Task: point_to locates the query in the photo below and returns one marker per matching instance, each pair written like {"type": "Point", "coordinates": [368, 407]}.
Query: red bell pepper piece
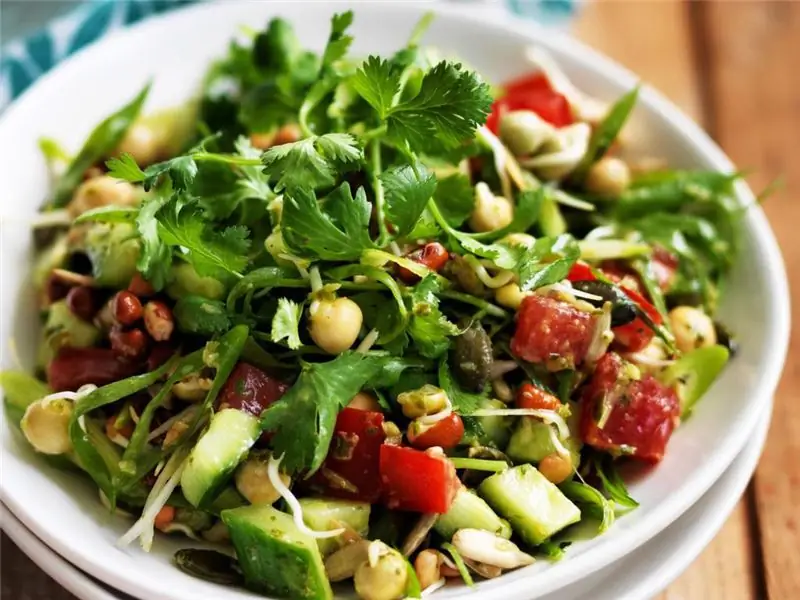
{"type": "Point", "coordinates": [352, 468]}
{"type": "Point", "coordinates": [417, 481]}
{"type": "Point", "coordinates": [446, 433]}
{"type": "Point", "coordinates": [534, 93]}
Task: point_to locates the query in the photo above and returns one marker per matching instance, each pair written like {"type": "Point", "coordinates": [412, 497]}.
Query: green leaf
{"type": "Point", "coordinates": [103, 140]}
{"type": "Point", "coordinates": [377, 81]}
{"type": "Point", "coordinates": [455, 198]}
{"type": "Point", "coordinates": [428, 327]}
{"type": "Point", "coordinates": [201, 316]}
{"type": "Point", "coordinates": [339, 230]}
{"type": "Point", "coordinates": [302, 421]}
{"type": "Point", "coordinates": [109, 214]}
{"type": "Point", "coordinates": [450, 105]}
{"type": "Point", "coordinates": [591, 502]}
{"type": "Point", "coordinates": [464, 403]}
{"type": "Point", "coordinates": [266, 107]}
{"type": "Point", "coordinates": [155, 257]}
{"type": "Point", "coordinates": [313, 162]}
{"type": "Point", "coordinates": [613, 485]}
{"type": "Point", "coordinates": [338, 42]}
{"type": "Point", "coordinates": [548, 261]}
{"type": "Point", "coordinates": [605, 134]}
{"type": "Point", "coordinates": [286, 323]}
{"type": "Point", "coordinates": [126, 168]}
{"type": "Point", "coordinates": [212, 251]}
{"type": "Point", "coordinates": [407, 191]}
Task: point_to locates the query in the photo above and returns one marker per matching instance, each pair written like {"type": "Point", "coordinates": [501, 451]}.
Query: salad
{"type": "Point", "coordinates": [369, 319]}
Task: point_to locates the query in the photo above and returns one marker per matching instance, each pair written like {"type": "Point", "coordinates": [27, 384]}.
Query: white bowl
{"type": "Point", "coordinates": [174, 50]}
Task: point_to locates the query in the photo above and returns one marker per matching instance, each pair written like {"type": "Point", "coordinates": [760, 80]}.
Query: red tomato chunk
{"type": "Point", "coordinates": [417, 481]}
{"type": "Point", "coordinates": [446, 434]}
{"type": "Point", "coordinates": [351, 470]}
{"type": "Point", "coordinates": [553, 332]}
{"type": "Point", "coordinates": [641, 414]}
{"type": "Point", "coordinates": [251, 390]}
{"type": "Point", "coordinates": [530, 396]}
{"type": "Point", "coordinates": [534, 93]}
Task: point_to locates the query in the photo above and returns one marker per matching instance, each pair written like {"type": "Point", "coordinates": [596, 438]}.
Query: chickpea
{"type": "Point", "coordinates": [609, 176]}
{"type": "Point", "coordinates": [491, 212]}
{"type": "Point", "coordinates": [365, 401]}
{"type": "Point", "coordinates": [427, 566]}
{"type": "Point", "coordinates": [518, 239]}
{"type": "Point", "coordinates": [510, 295]}
{"type": "Point", "coordinates": [556, 467]}
{"type": "Point", "coordinates": [383, 576]}
{"type": "Point", "coordinates": [142, 143]}
{"type": "Point", "coordinates": [46, 425]}
{"type": "Point", "coordinates": [524, 132]}
{"type": "Point", "coordinates": [426, 400]}
{"type": "Point", "coordinates": [253, 482]}
{"type": "Point", "coordinates": [102, 191]}
{"type": "Point", "coordinates": [335, 324]}
{"type": "Point", "coordinates": [692, 328]}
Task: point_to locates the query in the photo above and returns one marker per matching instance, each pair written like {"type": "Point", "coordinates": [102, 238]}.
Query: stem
{"type": "Point", "coordinates": [488, 307]}
{"type": "Point", "coordinates": [373, 133]}
{"type": "Point", "coordinates": [480, 464]}
{"type": "Point", "coordinates": [230, 159]}
{"type": "Point", "coordinates": [375, 159]}
{"type": "Point", "coordinates": [315, 279]}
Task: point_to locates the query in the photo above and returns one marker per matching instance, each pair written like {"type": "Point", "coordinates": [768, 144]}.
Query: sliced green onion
{"type": "Point", "coordinates": [480, 464]}
{"type": "Point", "coordinates": [462, 568]}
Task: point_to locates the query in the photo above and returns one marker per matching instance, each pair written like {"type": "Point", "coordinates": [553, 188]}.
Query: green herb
{"type": "Point", "coordinates": [477, 464]}
{"type": "Point", "coordinates": [108, 214]}
{"type": "Point", "coordinates": [455, 198]}
{"type": "Point", "coordinates": [302, 421]}
{"type": "Point", "coordinates": [591, 502]}
{"type": "Point", "coordinates": [286, 323]}
{"type": "Point", "coordinates": [335, 230]}
{"type": "Point", "coordinates": [464, 403]}
{"type": "Point", "coordinates": [201, 316]}
{"type": "Point", "coordinates": [407, 190]}
{"type": "Point", "coordinates": [101, 142]}
{"type": "Point", "coordinates": [605, 134]}
{"type": "Point", "coordinates": [428, 327]}
{"type": "Point", "coordinates": [613, 485]}
{"type": "Point", "coordinates": [155, 256]}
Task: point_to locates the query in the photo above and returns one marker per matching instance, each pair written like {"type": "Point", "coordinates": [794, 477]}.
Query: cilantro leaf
{"type": "Point", "coordinates": [276, 49]}
{"type": "Point", "coordinates": [428, 327]}
{"type": "Point", "coordinates": [286, 323]}
{"type": "Point", "coordinates": [377, 81]}
{"type": "Point", "coordinates": [450, 104]}
{"type": "Point", "coordinates": [339, 232]}
{"type": "Point", "coordinates": [338, 42]}
{"type": "Point", "coordinates": [201, 316]}
{"type": "Point", "coordinates": [407, 191]}
{"type": "Point", "coordinates": [548, 261]}
{"type": "Point", "coordinates": [304, 418]}
{"type": "Point", "coordinates": [108, 214]}
{"type": "Point", "coordinates": [455, 198]}
{"type": "Point", "coordinates": [155, 257]}
{"type": "Point", "coordinates": [181, 170]}
{"type": "Point", "coordinates": [464, 403]}
{"type": "Point", "coordinates": [212, 252]}
{"type": "Point", "coordinates": [267, 106]}
{"type": "Point", "coordinates": [254, 183]}
{"type": "Point", "coordinates": [312, 162]}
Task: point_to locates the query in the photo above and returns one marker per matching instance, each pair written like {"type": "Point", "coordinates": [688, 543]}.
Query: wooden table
{"type": "Point", "coordinates": [727, 64]}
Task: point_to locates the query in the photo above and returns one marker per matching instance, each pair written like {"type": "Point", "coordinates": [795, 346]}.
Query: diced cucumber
{"type": "Point", "coordinates": [324, 514]}
{"type": "Point", "coordinates": [276, 557]}
{"type": "Point", "coordinates": [495, 430]}
{"type": "Point", "coordinates": [535, 507]}
{"type": "Point", "coordinates": [531, 440]}
{"type": "Point", "coordinates": [470, 511]}
{"type": "Point", "coordinates": [217, 453]}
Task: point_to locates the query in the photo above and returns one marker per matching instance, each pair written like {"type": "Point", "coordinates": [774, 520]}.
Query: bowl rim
{"type": "Point", "coordinates": [626, 540]}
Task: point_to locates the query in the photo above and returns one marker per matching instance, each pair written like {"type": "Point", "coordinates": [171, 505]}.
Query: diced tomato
{"type": "Point", "coordinates": [530, 396]}
{"type": "Point", "coordinates": [251, 390]}
{"type": "Point", "coordinates": [552, 332]}
{"type": "Point", "coordinates": [74, 367]}
{"type": "Point", "coordinates": [432, 255]}
{"type": "Point", "coordinates": [417, 481]}
{"type": "Point", "coordinates": [445, 433]}
{"type": "Point", "coordinates": [534, 93]}
{"type": "Point", "coordinates": [352, 468]}
{"type": "Point", "coordinates": [640, 415]}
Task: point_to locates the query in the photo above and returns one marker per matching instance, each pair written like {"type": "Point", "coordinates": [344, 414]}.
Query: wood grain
{"type": "Point", "coordinates": [756, 95]}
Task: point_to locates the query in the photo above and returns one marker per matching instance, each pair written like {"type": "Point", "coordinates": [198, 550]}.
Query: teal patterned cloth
{"type": "Point", "coordinates": [25, 60]}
